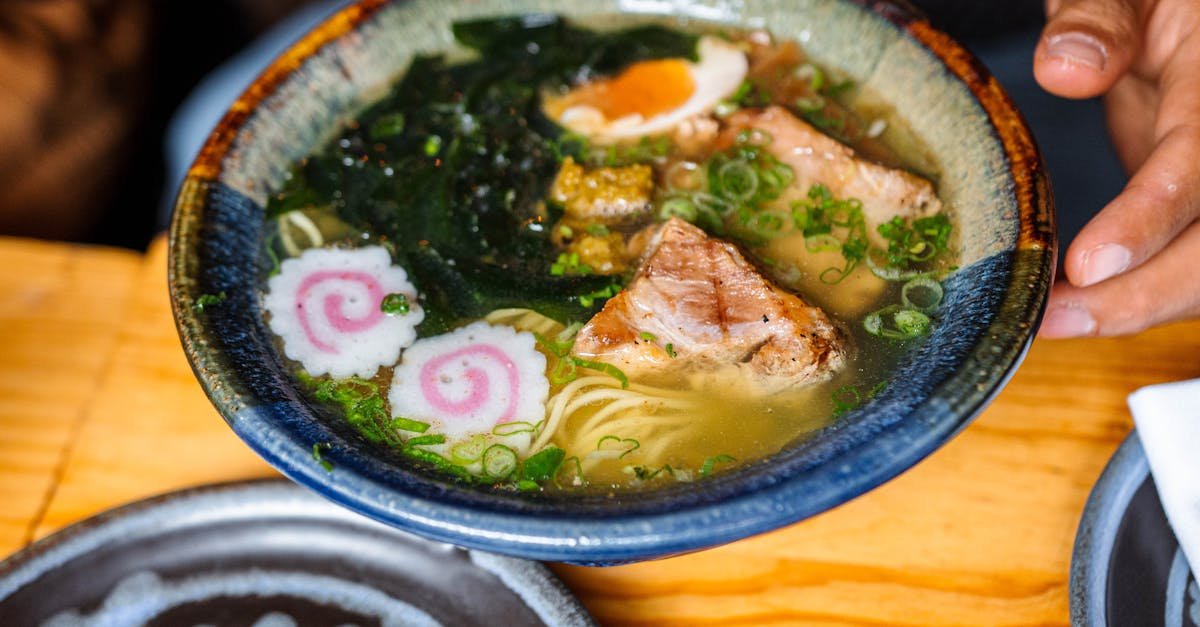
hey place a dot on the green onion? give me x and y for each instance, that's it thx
(600, 366)
(407, 424)
(905, 323)
(670, 348)
(911, 322)
(888, 272)
(846, 398)
(439, 462)
(386, 126)
(276, 264)
(527, 485)
(915, 241)
(395, 304)
(707, 467)
(648, 336)
(514, 427)
(425, 440)
(929, 301)
(568, 333)
(570, 473)
(362, 405)
(677, 207)
(499, 462)
(589, 299)
(543, 465)
(568, 263)
(470, 450)
(318, 456)
(816, 78)
(598, 230)
(620, 446)
(737, 180)
(433, 145)
(205, 301)
(810, 104)
(822, 242)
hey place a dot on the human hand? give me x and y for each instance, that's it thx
(1135, 264)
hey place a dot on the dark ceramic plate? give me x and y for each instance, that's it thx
(988, 170)
(1128, 569)
(269, 554)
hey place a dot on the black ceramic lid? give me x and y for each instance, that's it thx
(267, 554)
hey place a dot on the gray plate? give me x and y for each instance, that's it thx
(267, 554)
(1127, 569)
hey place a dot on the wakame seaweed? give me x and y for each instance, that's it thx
(449, 169)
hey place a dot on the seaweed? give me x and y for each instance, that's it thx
(450, 169)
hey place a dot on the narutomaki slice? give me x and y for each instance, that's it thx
(471, 381)
(327, 307)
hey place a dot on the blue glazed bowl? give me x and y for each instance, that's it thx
(990, 173)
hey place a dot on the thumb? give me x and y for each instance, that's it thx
(1087, 45)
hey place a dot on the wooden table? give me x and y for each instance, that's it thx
(98, 407)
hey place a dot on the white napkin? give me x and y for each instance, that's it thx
(1168, 424)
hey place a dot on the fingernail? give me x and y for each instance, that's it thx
(1102, 262)
(1070, 320)
(1077, 48)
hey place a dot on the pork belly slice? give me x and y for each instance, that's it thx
(817, 158)
(702, 297)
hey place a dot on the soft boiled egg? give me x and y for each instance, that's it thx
(651, 97)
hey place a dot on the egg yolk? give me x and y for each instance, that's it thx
(647, 88)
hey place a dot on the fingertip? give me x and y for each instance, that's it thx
(1074, 64)
(1086, 46)
(1067, 316)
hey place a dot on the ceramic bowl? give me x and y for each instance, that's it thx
(989, 172)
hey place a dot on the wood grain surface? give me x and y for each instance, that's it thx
(98, 407)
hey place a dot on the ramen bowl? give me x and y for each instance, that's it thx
(990, 173)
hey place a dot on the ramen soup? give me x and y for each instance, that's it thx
(609, 258)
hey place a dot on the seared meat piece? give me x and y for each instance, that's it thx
(817, 158)
(702, 297)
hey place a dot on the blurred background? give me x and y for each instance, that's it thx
(104, 102)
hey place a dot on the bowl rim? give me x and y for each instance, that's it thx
(639, 535)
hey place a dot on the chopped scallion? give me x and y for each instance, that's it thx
(499, 462)
(395, 304)
(408, 424)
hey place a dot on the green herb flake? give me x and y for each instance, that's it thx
(597, 230)
(395, 304)
(362, 404)
(589, 299)
(204, 301)
(543, 465)
(607, 369)
(648, 336)
(433, 146)
(707, 467)
(318, 455)
(568, 263)
(499, 462)
(670, 348)
(425, 440)
(408, 424)
(386, 126)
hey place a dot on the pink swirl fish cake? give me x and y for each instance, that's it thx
(326, 306)
(470, 380)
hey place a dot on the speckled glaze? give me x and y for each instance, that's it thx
(988, 169)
